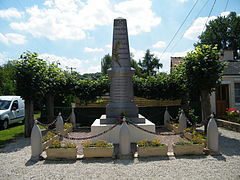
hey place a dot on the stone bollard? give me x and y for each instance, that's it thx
(59, 124)
(182, 122)
(212, 135)
(36, 142)
(124, 140)
(73, 117)
(166, 117)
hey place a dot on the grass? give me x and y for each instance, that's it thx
(11, 134)
(15, 131)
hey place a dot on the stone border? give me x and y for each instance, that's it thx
(228, 125)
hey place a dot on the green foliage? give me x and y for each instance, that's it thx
(150, 64)
(161, 86)
(201, 69)
(48, 136)
(57, 144)
(70, 145)
(30, 76)
(198, 139)
(100, 143)
(106, 63)
(150, 142)
(7, 80)
(182, 143)
(67, 125)
(223, 31)
(88, 90)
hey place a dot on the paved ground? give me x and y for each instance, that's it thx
(15, 164)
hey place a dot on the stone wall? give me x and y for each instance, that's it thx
(228, 125)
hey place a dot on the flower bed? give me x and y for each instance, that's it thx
(48, 139)
(98, 149)
(188, 149)
(58, 152)
(148, 148)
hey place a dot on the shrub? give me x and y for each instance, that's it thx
(181, 143)
(150, 142)
(100, 143)
(67, 125)
(57, 144)
(48, 136)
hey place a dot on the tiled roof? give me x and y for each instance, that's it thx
(232, 68)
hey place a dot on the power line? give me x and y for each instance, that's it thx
(226, 5)
(178, 29)
(209, 15)
(190, 25)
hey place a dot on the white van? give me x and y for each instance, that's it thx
(12, 110)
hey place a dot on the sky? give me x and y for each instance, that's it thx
(78, 33)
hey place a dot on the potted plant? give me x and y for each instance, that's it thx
(194, 147)
(150, 147)
(99, 149)
(61, 151)
(48, 139)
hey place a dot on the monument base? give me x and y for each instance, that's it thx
(113, 135)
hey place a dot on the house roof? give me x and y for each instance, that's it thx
(232, 68)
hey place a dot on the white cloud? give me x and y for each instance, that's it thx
(159, 44)
(182, 1)
(139, 15)
(12, 38)
(87, 49)
(197, 27)
(108, 46)
(10, 13)
(226, 13)
(79, 65)
(70, 19)
(3, 58)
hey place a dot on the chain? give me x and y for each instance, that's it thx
(68, 118)
(162, 134)
(42, 124)
(84, 138)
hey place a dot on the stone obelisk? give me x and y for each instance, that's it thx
(120, 74)
(121, 93)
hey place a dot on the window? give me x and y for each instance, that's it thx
(15, 105)
(237, 93)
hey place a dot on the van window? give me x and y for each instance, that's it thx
(15, 104)
(4, 104)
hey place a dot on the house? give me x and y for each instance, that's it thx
(227, 94)
(174, 62)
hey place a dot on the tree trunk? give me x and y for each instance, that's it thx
(29, 119)
(185, 102)
(50, 107)
(206, 107)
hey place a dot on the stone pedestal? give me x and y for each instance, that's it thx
(113, 135)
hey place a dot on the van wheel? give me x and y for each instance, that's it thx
(5, 124)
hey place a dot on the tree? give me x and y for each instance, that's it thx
(54, 82)
(106, 63)
(149, 64)
(7, 80)
(223, 31)
(30, 78)
(201, 70)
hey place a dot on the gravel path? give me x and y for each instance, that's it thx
(15, 164)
